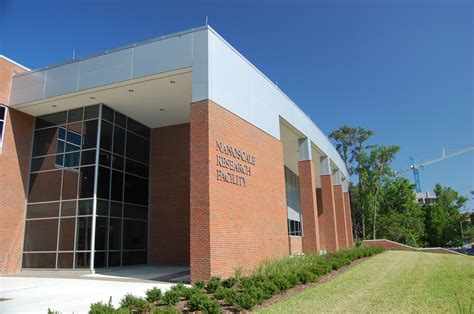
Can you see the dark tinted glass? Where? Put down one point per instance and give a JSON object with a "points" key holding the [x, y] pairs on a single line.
{"points": [[103, 183], [116, 209], [120, 119], [2, 112], [70, 178], [106, 130], [91, 112], [101, 225], [136, 212], [117, 162], [65, 260], [136, 190], [119, 141], [67, 229], [84, 230], [68, 208], [102, 208], [86, 182], [114, 259], [89, 139], [117, 186], [45, 186], [42, 210], [134, 258], [71, 160], [43, 163], [51, 120], [99, 259], [41, 235], [107, 114], [39, 260], [83, 260], [115, 234], [136, 168], [137, 148], [104, 158], [75, 115], [85, 207], [138, 128], [134, 234], [88, 157], [45, 142]]}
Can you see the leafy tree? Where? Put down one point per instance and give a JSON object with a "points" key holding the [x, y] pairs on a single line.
{"points": [[442, 219], [401, 218]]}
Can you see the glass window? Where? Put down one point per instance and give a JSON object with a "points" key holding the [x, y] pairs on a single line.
{"points": [[39, 260], [45, 163], [134, 234], [86, 182], [137, 148], [42, 210], [46, 143], [114, 259], [65, 260], [104, 158], [84, 231], [83, 259], [3, 114], [115, 209], [45, 186], [136, 190], [70, 178], [68, 208], [101, 226], [138, 128], [41, 235], [75, 115], [117, 186], [117, 162], [89, 134], [71, 160], [106, 136], [120, 119], [103, 183], [107, 114], [102, 208], [135, 212], [91, 112], [99, 259], [85, 207], [134, 258], [119, 141], [136, 168], [67, 229], [88, 157], [115, 234], [51, 120]]}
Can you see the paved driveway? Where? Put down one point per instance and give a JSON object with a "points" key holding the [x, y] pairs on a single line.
{"points": [[36, 294]]}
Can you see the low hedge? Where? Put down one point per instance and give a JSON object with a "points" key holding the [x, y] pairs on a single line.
{"points": [[239, 292]]}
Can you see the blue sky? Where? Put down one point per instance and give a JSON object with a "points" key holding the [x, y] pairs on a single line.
{"points": [[402, 68]]}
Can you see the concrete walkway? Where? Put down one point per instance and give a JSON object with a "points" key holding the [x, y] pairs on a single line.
{"points": [[36, 291]]}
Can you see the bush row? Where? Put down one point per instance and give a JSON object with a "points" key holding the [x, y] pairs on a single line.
{"points": [[239, 292]]}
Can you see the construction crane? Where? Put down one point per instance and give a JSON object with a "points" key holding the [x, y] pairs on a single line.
{"points": [[415, 166]]}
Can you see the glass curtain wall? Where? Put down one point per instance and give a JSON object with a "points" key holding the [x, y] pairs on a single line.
{"points": [[292, 185], [88, 191]]}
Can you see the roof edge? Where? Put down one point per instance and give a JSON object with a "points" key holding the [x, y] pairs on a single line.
{"points": [[14, 62]]}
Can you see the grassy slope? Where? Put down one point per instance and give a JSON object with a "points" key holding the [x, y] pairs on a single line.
{"points": [[393, 281]]}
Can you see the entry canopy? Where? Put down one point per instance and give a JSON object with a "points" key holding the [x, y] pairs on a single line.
{"points": [[155, 81]]}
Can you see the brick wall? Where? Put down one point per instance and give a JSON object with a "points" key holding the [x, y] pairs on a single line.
{"points": [[328, 219], [234, 225], [169, 196], [322, 233], [296, 245], [342, 237], [347, 206], [14, 162], [309, 209]]}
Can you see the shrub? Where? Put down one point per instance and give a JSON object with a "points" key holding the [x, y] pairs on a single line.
{"points": [[102, 308], [229, 282], [292, 279], [189, 292], [200, 302], [180, 289], [213, 284], [269, 288], [199, 284], [256, 293], [153, 295], [132, 303], [281, 282], [171, 297], [244, 301], [166, 310], [306, 276], [50, 311]]}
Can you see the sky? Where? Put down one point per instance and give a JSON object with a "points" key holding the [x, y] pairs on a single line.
{"points": [[403, 69]]}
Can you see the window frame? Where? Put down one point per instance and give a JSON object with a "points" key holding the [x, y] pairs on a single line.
{"points": [[2, 129]]}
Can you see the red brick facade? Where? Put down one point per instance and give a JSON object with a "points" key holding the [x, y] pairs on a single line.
{"points": [[347, 206], [309, 207], [296, 245], [328, 220], [235, 224], [169, 196], [343, 239], [14, 163]]}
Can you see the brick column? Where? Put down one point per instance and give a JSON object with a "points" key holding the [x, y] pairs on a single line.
{"points": [[341, 216], [200, 247], [328, 215], [347, 204], [309, 209]]}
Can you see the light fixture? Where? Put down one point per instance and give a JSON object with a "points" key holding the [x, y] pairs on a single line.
{"points": [[172, 82], [54, 106], [161, 109], [130, 90], [92, 97]]}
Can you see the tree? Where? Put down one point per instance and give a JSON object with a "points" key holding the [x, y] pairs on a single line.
{"points": [[442, 219], [401, 218]]}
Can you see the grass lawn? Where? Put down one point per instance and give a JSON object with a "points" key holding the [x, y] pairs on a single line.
{"points": [[394, 281]]}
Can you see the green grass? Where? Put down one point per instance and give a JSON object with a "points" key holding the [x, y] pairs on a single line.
{"points": [[395, 282]]}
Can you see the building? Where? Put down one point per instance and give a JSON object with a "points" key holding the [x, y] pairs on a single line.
{"points": [[172, 151], [425, 198]]}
